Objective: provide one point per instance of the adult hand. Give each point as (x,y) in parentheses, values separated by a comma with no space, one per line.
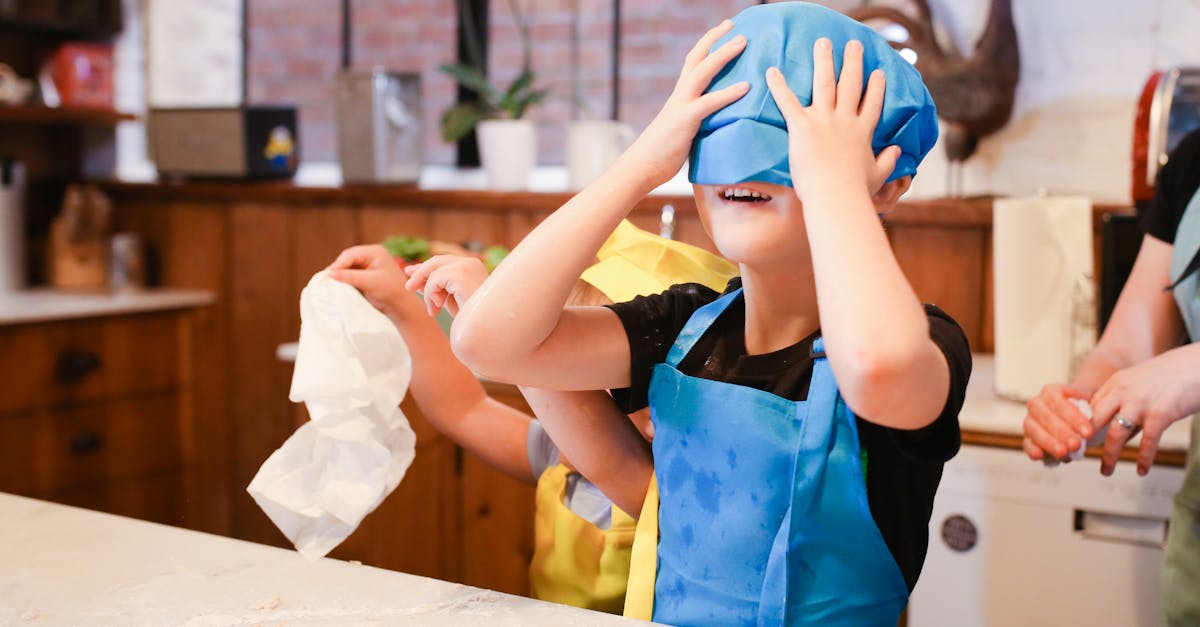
(661,150)
(1053,425)
(829,141)
(1149,396)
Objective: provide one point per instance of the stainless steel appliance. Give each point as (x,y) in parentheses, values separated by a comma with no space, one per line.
(379,126)
(12,225)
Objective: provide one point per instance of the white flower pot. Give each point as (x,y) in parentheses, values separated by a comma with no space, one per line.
(507,150)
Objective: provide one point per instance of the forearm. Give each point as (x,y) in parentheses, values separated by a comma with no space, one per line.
(601,442)
(521,303)
(454,402)
(876,331)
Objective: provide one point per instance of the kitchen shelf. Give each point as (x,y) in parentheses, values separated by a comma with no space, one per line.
(37,114)
(104,28)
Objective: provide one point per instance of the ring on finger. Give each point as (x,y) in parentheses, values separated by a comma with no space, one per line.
(1125,422)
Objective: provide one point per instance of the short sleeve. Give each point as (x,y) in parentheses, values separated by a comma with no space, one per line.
(542,451)
(1177,182)
(651,325)
(940,440)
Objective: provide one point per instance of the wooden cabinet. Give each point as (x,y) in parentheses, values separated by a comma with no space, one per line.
(98,413)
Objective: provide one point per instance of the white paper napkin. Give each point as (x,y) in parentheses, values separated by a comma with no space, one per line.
(352,370)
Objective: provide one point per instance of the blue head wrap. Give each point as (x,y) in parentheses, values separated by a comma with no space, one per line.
(747,141)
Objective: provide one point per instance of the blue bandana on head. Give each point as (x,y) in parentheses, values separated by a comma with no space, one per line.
(747,141)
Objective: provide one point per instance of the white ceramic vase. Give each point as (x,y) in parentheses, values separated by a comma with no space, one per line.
(507,150)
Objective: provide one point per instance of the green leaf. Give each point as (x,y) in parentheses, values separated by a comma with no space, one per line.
(460,119)
(530,99)
(472,78)
(407,248)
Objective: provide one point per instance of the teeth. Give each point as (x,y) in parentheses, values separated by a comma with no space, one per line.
(738,192)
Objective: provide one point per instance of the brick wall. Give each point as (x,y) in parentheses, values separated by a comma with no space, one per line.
(1084,64)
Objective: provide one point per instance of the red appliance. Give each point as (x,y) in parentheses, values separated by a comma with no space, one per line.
(83,75)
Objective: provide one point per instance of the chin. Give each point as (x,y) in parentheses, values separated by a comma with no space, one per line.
(752,223)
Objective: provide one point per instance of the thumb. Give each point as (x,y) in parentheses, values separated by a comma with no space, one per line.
(885,163)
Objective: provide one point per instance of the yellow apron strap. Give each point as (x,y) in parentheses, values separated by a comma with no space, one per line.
(643,567)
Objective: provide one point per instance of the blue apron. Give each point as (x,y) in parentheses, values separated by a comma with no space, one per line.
(763,514)
(1180,604)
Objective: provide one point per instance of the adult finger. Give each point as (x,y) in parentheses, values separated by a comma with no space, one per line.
(1119,434)
(1148,448)
(824,83)
(850,81)
(1043,438)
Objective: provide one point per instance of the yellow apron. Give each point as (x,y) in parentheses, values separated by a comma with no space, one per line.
(574,562)
(639,601)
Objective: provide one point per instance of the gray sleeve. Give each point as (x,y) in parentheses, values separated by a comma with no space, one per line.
(540,448)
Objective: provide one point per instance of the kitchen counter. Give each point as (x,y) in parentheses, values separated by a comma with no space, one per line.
(73,566)
(46,305)
(990,420)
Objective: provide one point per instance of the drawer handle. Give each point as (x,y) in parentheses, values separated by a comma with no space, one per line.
(74,364)
(87,442)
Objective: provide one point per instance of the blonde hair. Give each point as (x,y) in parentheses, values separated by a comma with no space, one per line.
(585,294)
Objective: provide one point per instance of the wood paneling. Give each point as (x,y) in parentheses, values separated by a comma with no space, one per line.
(462,226)
(188,243)
(946,268)
(262,315)
(378,223)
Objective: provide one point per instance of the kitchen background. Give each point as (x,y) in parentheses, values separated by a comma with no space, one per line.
(163,404)
(1085,62)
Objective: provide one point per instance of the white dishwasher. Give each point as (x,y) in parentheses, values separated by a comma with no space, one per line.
(1014,543)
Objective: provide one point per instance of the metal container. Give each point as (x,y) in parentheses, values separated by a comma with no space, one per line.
(1168,110)
(379,126)
(12,225)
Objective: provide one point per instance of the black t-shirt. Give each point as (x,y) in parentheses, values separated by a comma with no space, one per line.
(903,467)
(1177,182)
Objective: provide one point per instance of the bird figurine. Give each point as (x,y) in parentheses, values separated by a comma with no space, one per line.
(974,95)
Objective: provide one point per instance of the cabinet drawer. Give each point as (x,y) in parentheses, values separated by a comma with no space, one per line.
(46,452)
(64,363)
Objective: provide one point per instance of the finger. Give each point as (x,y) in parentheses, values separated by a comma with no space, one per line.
(1032,451)
(784,97)
(1114,443)
(700,50)
(872,101)
(1044,439)
(362,280)
(824,83)
(353,257)
(850,81)
(1068,411)
(1148,447)
(1054,425)
(885,163)
(699,78)
(712,102)
(421,272)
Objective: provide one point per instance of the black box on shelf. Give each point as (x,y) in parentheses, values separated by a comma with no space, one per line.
(250,142)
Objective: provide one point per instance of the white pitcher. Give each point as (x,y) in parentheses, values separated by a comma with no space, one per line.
(592,146)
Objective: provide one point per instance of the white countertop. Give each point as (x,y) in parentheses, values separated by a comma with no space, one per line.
(68,566)
(46,305)
(984,411)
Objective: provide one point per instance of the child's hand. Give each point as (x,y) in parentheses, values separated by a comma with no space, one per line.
(663,147)
(446,280)
(374,272)
(830,140)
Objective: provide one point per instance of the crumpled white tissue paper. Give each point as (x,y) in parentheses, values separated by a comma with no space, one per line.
(352,370)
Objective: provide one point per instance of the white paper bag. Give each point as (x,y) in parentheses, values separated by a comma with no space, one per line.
(1045,294)
(352,370)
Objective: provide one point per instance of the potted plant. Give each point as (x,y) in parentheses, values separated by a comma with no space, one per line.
(507,140)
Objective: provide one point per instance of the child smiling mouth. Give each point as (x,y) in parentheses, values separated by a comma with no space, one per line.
(744,195)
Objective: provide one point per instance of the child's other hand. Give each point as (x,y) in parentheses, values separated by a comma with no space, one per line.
(830,140)
(446,281)
(374,272)
(663,147)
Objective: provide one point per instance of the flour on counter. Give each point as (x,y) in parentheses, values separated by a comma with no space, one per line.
(30,614)
(267,604)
